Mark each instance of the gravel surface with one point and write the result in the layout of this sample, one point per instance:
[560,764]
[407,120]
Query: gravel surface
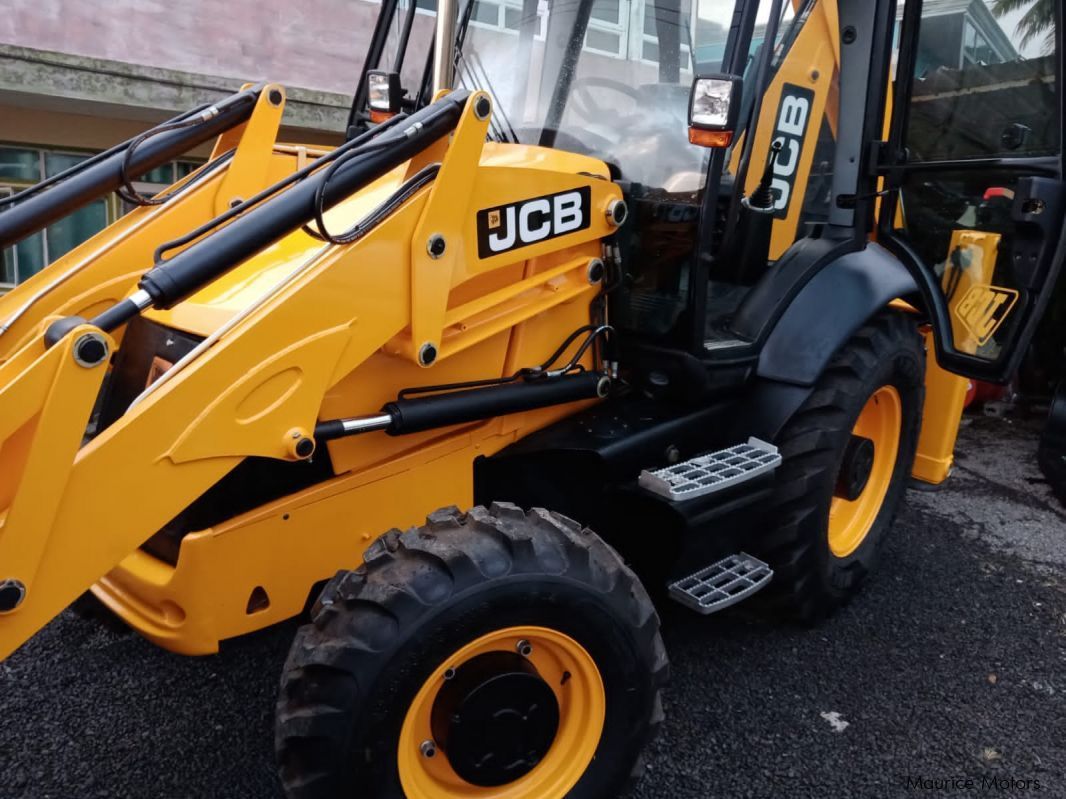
[950,666]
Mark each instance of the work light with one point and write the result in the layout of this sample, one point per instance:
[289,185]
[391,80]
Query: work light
[713,107]
[383,94]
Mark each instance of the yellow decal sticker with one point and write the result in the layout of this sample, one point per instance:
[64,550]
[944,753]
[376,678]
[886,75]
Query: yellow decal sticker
[983,309]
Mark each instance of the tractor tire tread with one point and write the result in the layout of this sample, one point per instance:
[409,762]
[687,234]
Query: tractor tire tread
[361,613]
[809,445]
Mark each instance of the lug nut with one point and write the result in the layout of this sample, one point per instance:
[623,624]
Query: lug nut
[428,749]
[524,648]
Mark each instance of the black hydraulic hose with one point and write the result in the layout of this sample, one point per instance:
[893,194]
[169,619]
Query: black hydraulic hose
[104,174]
[169,283]
[270,191]
[423,177]
[127,191]
[545,371]
[207,259]
[81,166]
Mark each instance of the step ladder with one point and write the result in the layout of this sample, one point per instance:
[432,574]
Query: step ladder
[722,584]
[715,471]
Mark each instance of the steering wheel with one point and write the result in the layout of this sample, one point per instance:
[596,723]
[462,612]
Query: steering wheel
[583,101]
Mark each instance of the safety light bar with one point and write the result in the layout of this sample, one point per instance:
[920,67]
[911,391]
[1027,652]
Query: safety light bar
[383,94]
[712,110]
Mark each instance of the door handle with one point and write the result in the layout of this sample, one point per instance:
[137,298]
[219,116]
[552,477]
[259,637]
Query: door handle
[1037,213]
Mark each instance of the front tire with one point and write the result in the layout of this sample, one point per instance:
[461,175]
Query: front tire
[527,610]
[847,455]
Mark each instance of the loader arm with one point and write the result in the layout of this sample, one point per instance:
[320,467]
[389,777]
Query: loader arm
[256,386]
[103,270]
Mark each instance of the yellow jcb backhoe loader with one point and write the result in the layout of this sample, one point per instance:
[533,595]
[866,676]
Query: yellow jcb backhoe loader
[599,301]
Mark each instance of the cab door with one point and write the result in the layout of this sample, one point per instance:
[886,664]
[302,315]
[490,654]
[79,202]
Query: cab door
[974,199]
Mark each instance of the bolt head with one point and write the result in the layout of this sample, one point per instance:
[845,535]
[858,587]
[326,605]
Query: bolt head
[617,212]
[90,350]
[436,245]
[428,749]
[595,271]
[427,354]
[12,592]
[524,648]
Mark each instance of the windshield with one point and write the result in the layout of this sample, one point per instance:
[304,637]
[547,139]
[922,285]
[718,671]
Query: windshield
[609,78]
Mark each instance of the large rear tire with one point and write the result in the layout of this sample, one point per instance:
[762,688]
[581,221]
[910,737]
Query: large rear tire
[497,653]
[847,456]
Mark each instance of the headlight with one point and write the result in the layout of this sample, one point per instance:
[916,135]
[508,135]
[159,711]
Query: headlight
[383,92]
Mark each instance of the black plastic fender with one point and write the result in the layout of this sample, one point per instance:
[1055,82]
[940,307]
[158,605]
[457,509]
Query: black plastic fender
[828,310]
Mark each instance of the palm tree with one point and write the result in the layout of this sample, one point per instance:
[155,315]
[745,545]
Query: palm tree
[1040,18]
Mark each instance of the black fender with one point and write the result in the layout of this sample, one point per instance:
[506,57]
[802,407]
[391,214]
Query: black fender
[828,310]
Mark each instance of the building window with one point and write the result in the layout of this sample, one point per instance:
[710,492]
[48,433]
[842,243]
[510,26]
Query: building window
[606,32]
[21,167]
[630,30]
[976,48]
[649,38]
[504,16]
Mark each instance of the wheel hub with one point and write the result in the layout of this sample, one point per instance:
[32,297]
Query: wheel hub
[495,719]
[856,469]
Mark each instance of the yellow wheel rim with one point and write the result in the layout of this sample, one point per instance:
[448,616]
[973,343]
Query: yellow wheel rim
[850,521]
[575,680]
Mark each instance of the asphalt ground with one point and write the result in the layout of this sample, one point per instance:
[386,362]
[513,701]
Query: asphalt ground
[950,666]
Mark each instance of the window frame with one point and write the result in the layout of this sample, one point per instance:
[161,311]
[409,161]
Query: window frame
[115,207]
[7,190]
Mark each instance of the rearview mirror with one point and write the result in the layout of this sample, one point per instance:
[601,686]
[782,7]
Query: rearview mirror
[713,106]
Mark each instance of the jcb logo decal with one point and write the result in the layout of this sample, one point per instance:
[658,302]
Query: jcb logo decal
[529,221]
[793,117]
[983,309]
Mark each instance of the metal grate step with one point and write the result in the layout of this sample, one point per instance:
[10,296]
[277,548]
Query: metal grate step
[722,584]
[713,472]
